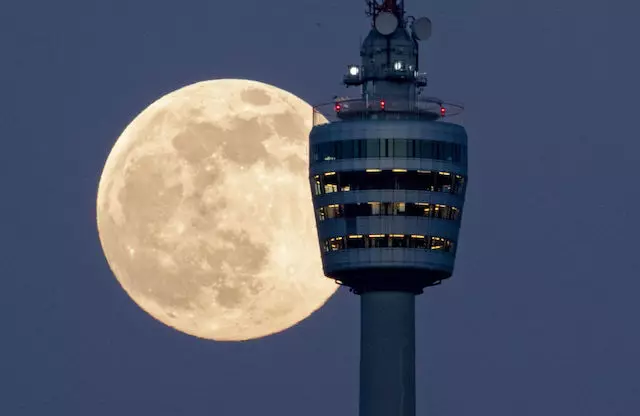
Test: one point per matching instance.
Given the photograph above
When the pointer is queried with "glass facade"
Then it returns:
(416, 180)
(416, 209)
(399, 148)
(389, 240)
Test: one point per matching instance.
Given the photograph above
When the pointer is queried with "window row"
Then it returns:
(388, 240)
(366, 209)
(372, 148)
(416, 180)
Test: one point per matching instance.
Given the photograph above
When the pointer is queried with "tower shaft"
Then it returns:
(387, 354)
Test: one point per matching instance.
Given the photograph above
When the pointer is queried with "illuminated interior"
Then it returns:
(366, 209)
(388, 241)
(415, 180)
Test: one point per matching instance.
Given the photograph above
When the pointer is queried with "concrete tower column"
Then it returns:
(387, 354)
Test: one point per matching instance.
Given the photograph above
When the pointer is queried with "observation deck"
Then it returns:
(388, 190)
(352, 109)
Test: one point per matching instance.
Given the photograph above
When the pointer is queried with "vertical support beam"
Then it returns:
(387, 354)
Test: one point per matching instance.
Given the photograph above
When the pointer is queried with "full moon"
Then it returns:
(204, 211)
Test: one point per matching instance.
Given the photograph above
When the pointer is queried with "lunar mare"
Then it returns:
(204, 211)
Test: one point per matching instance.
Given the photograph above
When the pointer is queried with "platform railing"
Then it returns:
(430, 108)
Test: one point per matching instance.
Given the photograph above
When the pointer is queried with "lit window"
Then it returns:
(437, 243)
(398, 240)
(329, 188)
(336, 243)
(389, 240)
(450, 246)
(355, 241)
(418, 241)
(329, 182)
(333, 211)
(377, 241)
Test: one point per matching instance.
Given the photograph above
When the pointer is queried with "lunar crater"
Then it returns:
(256, 97)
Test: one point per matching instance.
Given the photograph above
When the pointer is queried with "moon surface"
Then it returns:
(204, 211)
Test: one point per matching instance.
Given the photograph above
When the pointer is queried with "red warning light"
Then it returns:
(382, 104)
(338, 107)
(443, 111)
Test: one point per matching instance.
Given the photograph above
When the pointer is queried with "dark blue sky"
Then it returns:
(541, 317)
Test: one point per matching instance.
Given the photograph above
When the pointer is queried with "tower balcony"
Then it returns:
(383, 108)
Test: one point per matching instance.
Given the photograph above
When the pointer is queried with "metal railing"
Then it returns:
(427, 108)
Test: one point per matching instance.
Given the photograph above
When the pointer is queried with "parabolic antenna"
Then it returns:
(421, 28)
(386, 23)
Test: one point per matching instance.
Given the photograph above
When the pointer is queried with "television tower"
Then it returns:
(388, 177)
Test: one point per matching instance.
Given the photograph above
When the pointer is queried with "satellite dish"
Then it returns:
(386, 23)
(421, 28)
